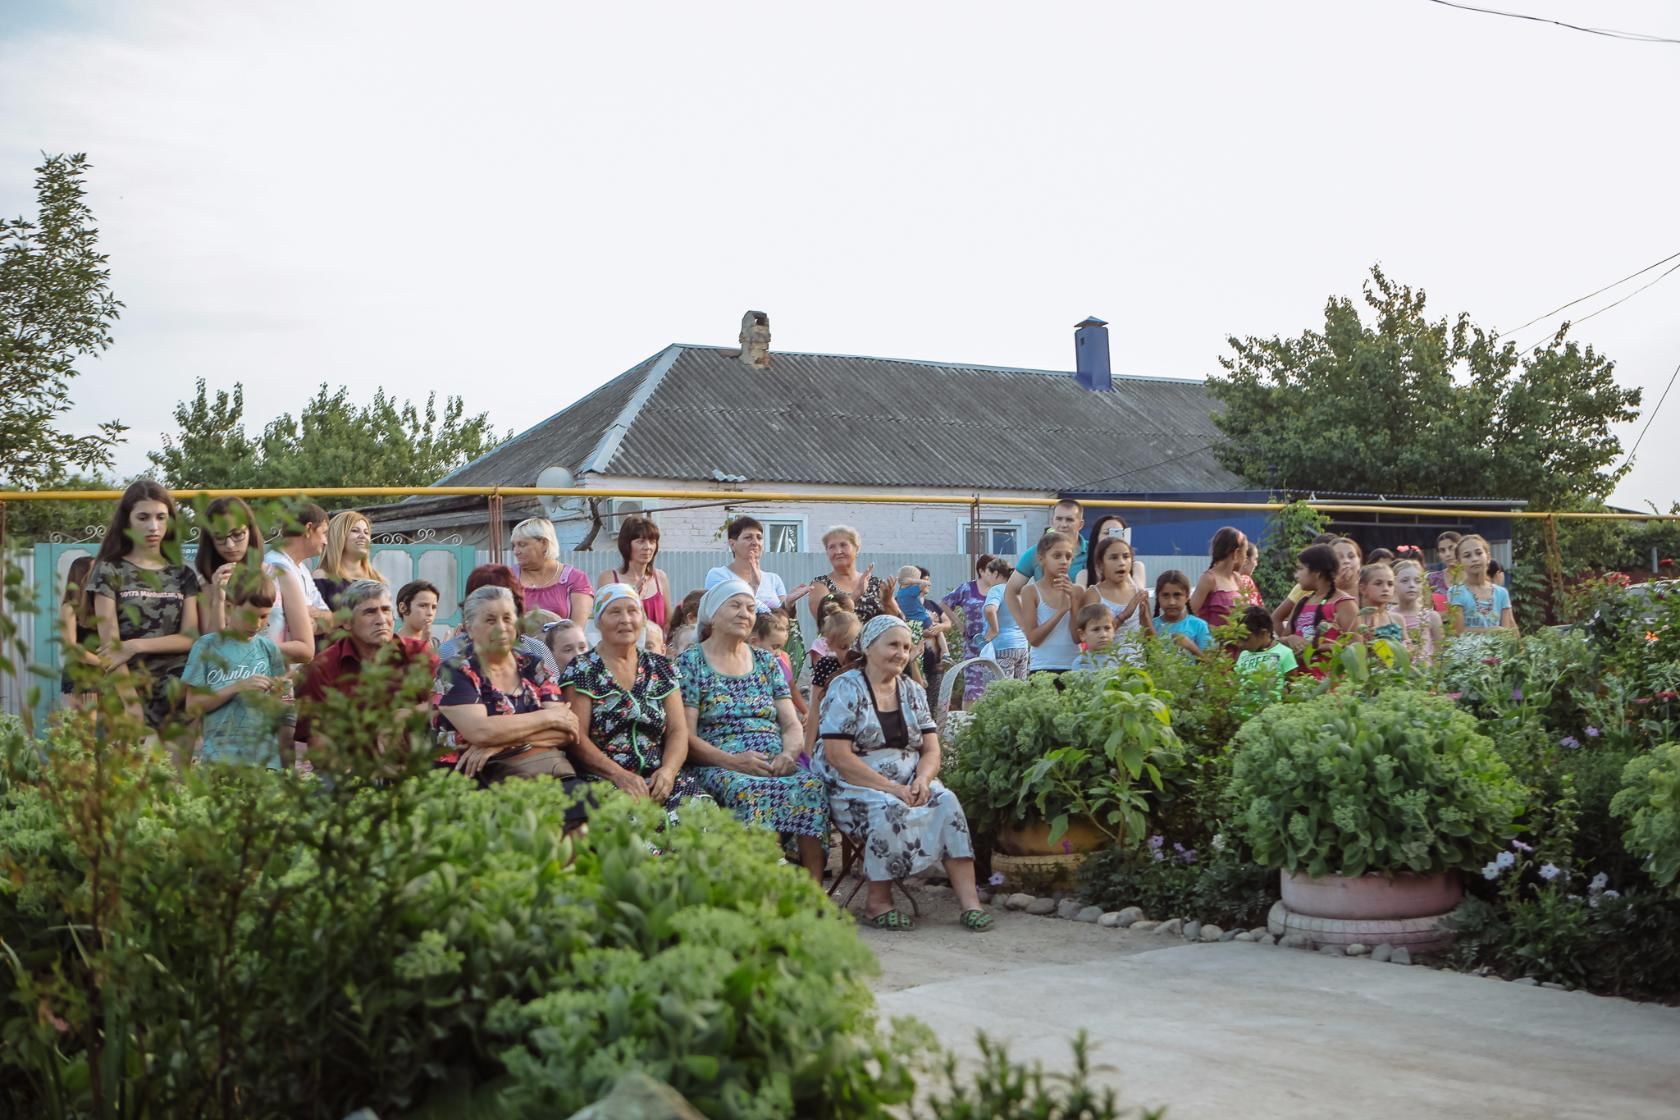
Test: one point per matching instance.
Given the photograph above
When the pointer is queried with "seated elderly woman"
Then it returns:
(499, 712)
(500, 575)
(744, 738)
(629, 710)
(879, 755)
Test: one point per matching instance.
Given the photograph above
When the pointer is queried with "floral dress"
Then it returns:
(866, 605)
(738, 714)
(970, 602)
(898, 840)
(629, 726)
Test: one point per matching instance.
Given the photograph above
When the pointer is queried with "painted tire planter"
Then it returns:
(1407, 910)
(1372, 896)
(1033, 839)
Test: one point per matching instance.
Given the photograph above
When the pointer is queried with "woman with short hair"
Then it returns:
(746, 549)
(879, 756)
(547, 582)
(500, 575)
(499, 712)
(871, 595)
(744, 737)
(638, 546)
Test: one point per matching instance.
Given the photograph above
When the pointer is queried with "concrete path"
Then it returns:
(1251, 1031)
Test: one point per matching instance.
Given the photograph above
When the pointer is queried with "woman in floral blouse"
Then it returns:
(628, 705)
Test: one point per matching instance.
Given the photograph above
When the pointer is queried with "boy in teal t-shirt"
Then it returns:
(1264, 663)
(236, 676)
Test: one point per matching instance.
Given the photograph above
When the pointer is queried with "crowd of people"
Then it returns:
(716, 695)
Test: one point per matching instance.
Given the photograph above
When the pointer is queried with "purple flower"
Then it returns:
(1157, 841)
(1550, 871)
(1569, 742)
(1521, 847)
(1516, 694)
(1504, 860)
(997, 879)
(1188, 855)
(1491, 871)
(1455, 696)
(1155, 854)
(1599, 882)
(1067, 848)
(1593, 733)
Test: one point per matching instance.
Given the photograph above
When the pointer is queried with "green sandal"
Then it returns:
(977, 920)
(892, 920)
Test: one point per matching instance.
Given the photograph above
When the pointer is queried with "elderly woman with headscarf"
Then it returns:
(744, 737)
(499, 712)
(628, 704)
(879, 756)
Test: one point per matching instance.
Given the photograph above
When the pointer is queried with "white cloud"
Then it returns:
(516, 201)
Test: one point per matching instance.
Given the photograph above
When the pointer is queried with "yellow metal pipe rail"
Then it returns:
(743, 497)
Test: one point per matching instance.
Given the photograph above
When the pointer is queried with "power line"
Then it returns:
(1589, 295)
(1608, 306)
(1652, 415)
(1138, 470)
(1607, 32)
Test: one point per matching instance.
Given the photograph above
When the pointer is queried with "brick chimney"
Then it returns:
(755, 340)
(1090, 351)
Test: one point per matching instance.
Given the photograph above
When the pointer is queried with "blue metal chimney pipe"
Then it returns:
(1090, 349)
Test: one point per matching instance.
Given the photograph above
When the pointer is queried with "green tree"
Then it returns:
(1396, 403)
(56, 308)
(332, 442)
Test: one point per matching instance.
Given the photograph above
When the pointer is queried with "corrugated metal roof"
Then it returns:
(859, 421)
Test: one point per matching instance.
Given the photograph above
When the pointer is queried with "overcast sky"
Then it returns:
(516, 201)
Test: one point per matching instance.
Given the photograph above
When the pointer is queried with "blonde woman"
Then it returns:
(348, 556)
(871, 595)
(548, 583)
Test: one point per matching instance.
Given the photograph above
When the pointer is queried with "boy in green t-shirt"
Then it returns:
(235, 679)
(1264, 663)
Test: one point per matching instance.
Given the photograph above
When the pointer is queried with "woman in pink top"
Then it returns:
(1219, 589)
(638, 544)
(549, 584)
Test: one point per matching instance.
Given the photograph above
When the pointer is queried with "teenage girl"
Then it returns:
(1350, 559)
(78, 632)
(1175, 622)
(1421, 622)
(1047, 602)
(1218, 590)
(1115, 588)
(146, 602)
(1478, 603)
(1376, 592)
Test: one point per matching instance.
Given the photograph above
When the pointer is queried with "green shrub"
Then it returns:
(1006, 1090)
(1649, 802)
(1222, 889)
(1343, 784)
(227, 944)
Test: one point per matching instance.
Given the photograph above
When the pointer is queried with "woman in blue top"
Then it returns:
(1478, 603)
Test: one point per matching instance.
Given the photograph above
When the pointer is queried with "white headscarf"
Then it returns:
(719, 595)
(878, 627)
(611, 593)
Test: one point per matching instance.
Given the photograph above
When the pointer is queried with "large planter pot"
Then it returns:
(1404, 911)
(1033, 839)
(1372, 896)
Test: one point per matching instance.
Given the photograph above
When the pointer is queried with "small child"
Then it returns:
(1094, 625)
(1172, 607)
(417, 607)
(911, 591)
(236, 677)
(831, 603)
(1264, 663)
(682, 629)
(1376, 592)
(770, 632)
(840, 632)
(566, 641)
(1421, 623)
(1003, 639)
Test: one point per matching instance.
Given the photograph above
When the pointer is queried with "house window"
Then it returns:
(1000, 538)
(784, 536)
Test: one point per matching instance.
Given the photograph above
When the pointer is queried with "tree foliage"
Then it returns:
(331, 442)
(56, 308)
(1392, 402)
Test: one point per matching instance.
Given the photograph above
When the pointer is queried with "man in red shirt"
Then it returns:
(338, 667)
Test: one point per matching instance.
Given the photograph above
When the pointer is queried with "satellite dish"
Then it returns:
(558, 478)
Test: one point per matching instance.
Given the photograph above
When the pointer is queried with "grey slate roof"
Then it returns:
(690, 411)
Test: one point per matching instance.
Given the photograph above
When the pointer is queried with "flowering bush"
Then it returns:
(1340, 785)
(1650, 804)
